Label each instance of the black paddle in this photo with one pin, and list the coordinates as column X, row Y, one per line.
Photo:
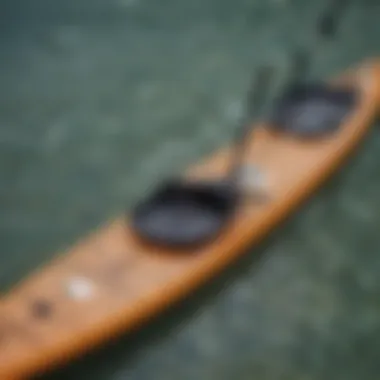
column 185, row 214
column 325, row 31
column 310, row 110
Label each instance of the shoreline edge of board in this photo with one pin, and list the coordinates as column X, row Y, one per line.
column 111, row 282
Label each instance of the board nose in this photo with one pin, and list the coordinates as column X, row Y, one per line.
column 371, row 71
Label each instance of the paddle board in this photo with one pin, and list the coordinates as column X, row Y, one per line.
column 112, row 282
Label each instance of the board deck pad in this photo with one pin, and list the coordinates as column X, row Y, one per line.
column 112, row 282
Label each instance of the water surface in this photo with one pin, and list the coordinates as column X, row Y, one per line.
column 99, row 99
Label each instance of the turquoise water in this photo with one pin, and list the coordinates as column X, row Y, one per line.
column 99, row 99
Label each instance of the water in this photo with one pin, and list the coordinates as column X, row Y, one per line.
column 99, row 99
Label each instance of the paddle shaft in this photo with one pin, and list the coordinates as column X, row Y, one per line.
column 256, row 96
column 326, row 29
